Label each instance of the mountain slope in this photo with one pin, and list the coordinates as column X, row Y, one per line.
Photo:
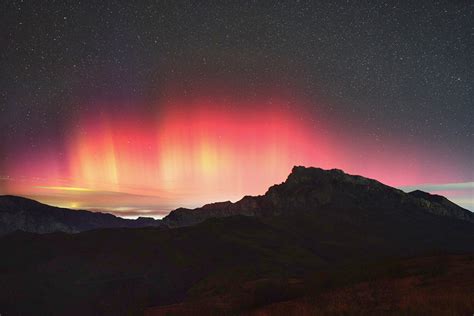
column 443, row 206
column 312, row 189
column 17, row 213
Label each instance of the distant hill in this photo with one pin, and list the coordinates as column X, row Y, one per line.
column 18, row 213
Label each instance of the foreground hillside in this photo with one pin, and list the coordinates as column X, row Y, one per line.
column 311, row 242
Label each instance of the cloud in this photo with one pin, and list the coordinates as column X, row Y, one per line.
column 440, row 187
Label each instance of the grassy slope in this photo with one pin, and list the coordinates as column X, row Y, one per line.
column 434, row 285
column 440, row 285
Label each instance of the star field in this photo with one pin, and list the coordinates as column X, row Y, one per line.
column 390, row 72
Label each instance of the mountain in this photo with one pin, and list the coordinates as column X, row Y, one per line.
column 18, row 213
column 321, row 235
column 305, row 190
column 311, row 189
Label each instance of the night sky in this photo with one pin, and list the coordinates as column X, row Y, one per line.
column 138, row 108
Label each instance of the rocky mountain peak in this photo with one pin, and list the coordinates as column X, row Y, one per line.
column 310, row 189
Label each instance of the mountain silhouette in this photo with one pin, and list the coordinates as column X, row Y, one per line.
column 18, row 213
column 313, row 189
column 319, row 234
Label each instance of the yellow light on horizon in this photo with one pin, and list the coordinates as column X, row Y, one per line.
column 58, row 188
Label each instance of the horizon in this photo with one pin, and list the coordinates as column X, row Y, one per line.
column 160, row 214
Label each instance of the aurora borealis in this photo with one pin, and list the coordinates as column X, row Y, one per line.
column 196, row 150
column 138, row 109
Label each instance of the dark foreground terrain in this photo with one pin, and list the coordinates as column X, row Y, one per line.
column 322, row 242
column 433, row 285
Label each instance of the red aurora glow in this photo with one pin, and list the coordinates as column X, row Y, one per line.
column 189, row 154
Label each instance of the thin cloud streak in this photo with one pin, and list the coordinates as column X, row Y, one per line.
column 440, row 187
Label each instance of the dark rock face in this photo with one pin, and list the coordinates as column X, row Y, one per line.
column 440, row 205
column 17, row 213
column 312, row 189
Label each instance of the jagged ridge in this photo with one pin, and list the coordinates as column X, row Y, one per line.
column 312, row 189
